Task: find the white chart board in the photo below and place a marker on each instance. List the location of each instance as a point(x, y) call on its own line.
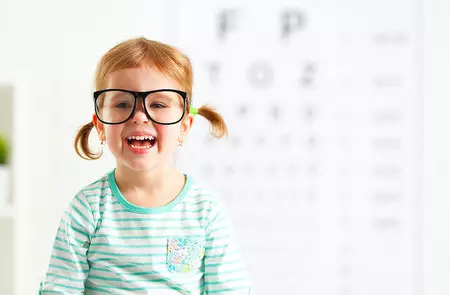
point(323, 169)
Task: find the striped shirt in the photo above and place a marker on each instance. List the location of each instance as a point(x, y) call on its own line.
point(106, 245)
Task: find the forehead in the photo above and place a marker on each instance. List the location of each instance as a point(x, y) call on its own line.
point(140, 79)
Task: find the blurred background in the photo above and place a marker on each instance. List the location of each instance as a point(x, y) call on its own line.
point(337, 167)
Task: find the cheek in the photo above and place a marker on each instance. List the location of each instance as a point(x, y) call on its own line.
point(168, 135)
point(113, 135)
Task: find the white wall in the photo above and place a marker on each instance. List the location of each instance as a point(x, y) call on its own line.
point(49, 49)
point(438, 148)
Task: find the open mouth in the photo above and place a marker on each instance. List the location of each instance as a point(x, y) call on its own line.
point(141, 142)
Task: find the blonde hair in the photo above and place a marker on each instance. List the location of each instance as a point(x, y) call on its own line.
point(141, 52)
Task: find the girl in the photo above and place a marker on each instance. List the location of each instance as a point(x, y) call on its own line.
point(144, 227)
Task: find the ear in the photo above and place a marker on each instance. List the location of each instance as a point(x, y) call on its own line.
point(186, 125)
point(100, 127)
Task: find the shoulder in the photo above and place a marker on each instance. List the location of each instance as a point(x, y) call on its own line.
point(203, 199)
point(203, 195)
point(97, 187)
point(90, 196)
point(83, 211)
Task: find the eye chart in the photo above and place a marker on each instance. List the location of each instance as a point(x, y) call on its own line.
point(322, 168)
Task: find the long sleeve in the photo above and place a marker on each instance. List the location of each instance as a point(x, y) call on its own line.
point(68, 268)
point(225, 271)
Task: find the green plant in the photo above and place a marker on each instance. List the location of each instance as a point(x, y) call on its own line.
point(4, 149)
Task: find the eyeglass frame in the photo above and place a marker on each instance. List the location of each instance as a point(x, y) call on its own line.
point(137, 95)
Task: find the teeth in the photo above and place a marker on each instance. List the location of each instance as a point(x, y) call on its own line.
point(143, 137)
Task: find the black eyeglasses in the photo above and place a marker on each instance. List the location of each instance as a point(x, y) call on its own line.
point(162, 106)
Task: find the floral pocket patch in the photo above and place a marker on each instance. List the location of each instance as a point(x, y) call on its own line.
point(184, 254)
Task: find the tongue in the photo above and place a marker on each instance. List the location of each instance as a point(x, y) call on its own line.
point(141, 142)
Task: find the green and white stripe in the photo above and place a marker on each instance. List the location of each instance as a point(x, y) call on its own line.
point(106, 245)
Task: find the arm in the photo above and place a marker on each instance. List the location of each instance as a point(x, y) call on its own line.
point(225, 271)
point(68, 268)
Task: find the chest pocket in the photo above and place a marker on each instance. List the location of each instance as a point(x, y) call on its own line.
point(185, 254)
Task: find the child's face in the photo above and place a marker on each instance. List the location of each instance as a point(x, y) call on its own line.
point(167, 136)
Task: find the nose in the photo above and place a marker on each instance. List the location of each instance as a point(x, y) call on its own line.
point(139, 115)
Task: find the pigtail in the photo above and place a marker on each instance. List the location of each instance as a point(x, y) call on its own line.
point(218, 127)
point(81, 143)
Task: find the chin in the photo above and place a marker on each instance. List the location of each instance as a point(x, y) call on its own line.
point(139, 166)
point(145, 165)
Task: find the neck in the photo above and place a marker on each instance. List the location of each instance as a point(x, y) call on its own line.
point(151, 188)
